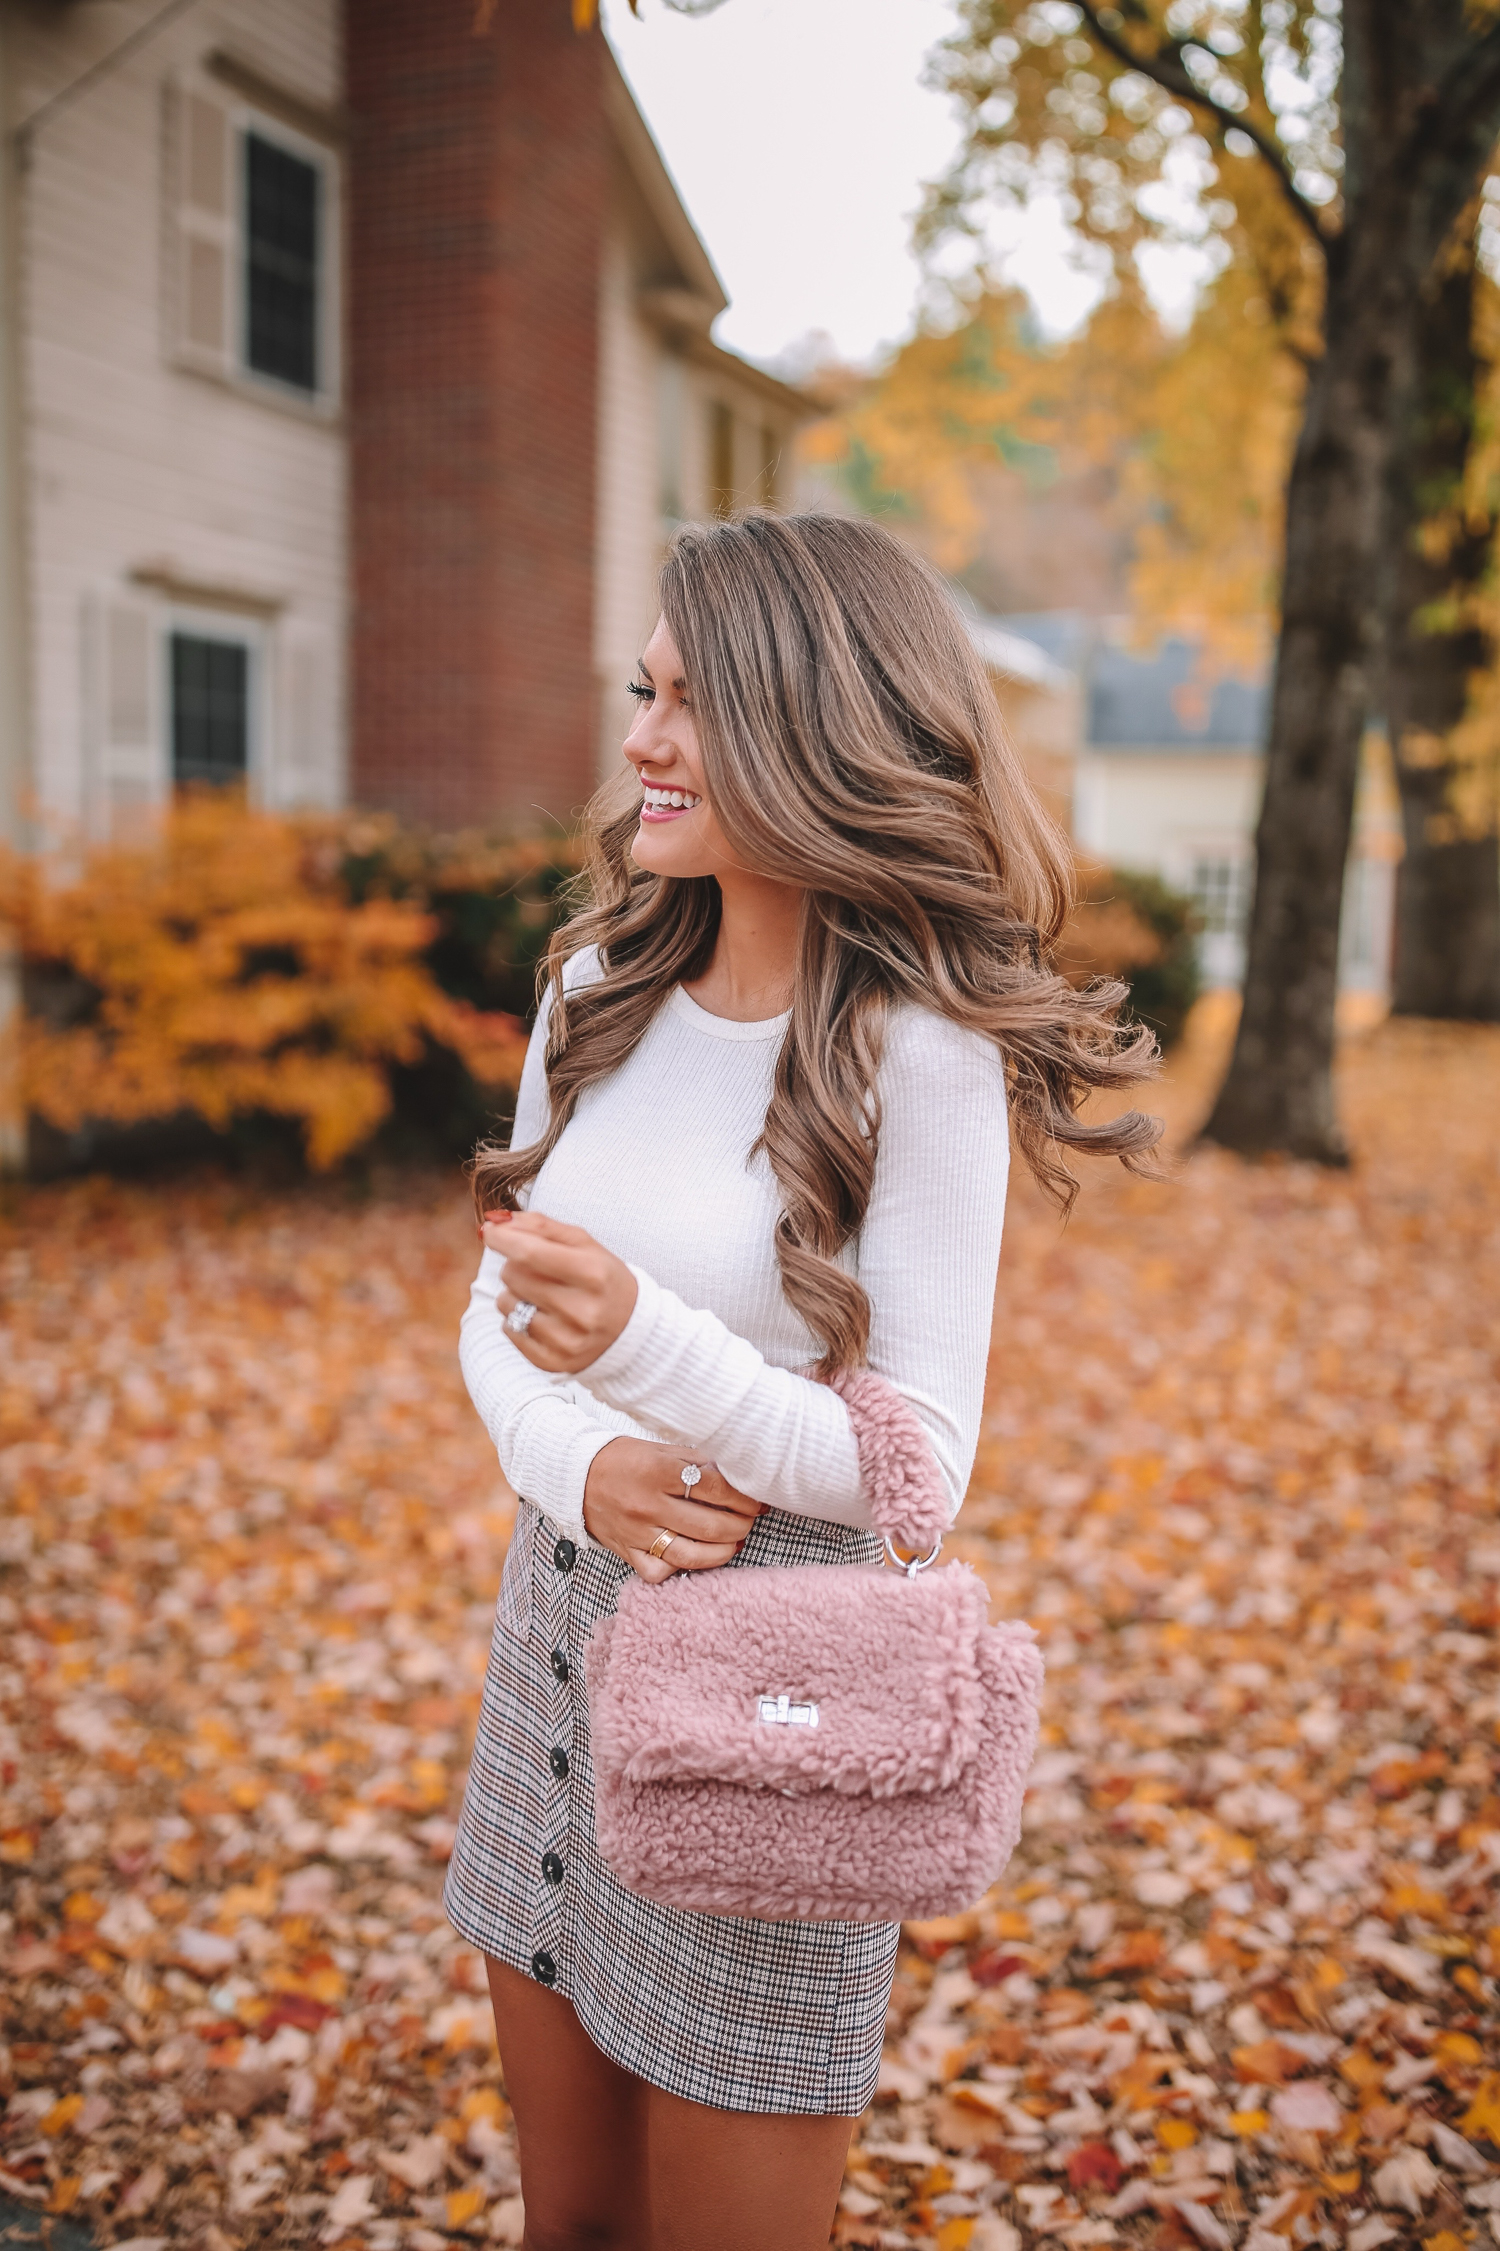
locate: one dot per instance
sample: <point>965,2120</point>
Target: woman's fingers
<point>713,1490</point>
<point>541,1341</point>
<point>529,1278</point>
<point>554,1339</point>
<point>690,1521</point>
<point>646,1519</point>
<point>629,1504</point>
<point>532,1226</point>
<point>551,1321</point>
<point>647,1567</point>
<point>586,1291</point>
<point>682,1555</point>
<point>562,1305</point>
<point>537,1226</point>
<point>699,1555</point>
<point>542,1260</point>
<point>542,1267</point>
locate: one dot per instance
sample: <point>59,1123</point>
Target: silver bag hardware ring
<point>912,1564</point>
<point>520,1317</point>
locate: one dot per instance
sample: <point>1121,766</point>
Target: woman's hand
<point>583,1294</point>
<point>634,1492</point>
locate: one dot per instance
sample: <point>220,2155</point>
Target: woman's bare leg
<point>580,2121</point>
<point>732,2180</point>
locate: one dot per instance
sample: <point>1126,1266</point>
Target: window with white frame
<point>283,230</point>
<point>173,699</point>
<point>254,295</point>
<point>1221,892</point>
<point>209,690</point>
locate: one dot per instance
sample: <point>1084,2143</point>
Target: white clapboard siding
<point>200,307</point>
<point>126,751</point>
<point>305,769</point>
<point>640,406</point>
<point>150,463</point>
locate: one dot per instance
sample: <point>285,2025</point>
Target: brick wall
<point>479,175</point>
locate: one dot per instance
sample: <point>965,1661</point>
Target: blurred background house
<point>356,367</point>
<point>1156,758</point>
<point>1042,704</point>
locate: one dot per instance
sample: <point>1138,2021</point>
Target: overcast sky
<point>800,135</point>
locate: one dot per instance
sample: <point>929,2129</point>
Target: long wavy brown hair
<point>851,744</point>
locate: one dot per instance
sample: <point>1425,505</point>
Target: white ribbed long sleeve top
<point>656,1163</point>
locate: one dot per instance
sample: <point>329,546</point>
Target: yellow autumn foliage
<point>1193,434</point>
<point>221,970</point>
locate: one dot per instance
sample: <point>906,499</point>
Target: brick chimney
<point>478,179</point>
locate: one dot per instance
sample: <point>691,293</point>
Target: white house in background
<point>244,461</point>
<point>355,366</point>
<point>687,429</point>
<point>179,436</point>
<point>1168,778</point>
<point>1041,703</point>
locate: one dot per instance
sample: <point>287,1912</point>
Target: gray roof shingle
<point>1139,699</point>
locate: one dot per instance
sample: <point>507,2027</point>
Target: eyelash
<point>643,694</point>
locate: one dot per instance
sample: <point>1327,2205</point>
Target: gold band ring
<point>660,1544</point>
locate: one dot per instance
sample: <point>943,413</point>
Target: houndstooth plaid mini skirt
<point>742,2015</point>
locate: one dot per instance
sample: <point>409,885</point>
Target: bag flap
<point>821,1677</point>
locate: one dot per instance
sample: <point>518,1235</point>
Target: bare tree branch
<point>1168,69</point>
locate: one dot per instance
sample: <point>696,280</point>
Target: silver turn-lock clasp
<point>780,1711</point>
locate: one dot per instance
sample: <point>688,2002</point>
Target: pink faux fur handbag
<point>824,1741</point>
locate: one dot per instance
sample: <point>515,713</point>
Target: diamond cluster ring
<point>520,1318</point>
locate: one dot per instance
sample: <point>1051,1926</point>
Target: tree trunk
<point>1448,891</point>
<point>1278,1094</point>
<point>1448,913</point>
<point>1420,108</point>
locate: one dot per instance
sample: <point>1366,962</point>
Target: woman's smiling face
<point>679,833</point>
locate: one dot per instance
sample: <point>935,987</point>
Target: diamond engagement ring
<point>520,1318</point>
<point>660,1544</point>
<point>691,1474</point>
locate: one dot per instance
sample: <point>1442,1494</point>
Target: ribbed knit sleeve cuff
<point>564,1459</point>
<point>681,1372</point>
<point>622,1365</point>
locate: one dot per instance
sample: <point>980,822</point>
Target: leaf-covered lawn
<point>1240,1467</point>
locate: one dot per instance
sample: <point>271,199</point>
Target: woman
<point>761,1136</point>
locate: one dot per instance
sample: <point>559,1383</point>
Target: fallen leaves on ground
<point>1240,1467</point>
<point>253,1530</point>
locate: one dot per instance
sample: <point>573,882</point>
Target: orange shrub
<point>221,968</point>
<point>1132,926</point>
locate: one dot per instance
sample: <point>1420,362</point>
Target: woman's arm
<point>928,1255</point>
<point>546,1444</point>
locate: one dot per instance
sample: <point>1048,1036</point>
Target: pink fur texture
<point>907,1500</point>
<point>724,1848</point>
<point>893,1668</point>
<point>903,1802</point>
